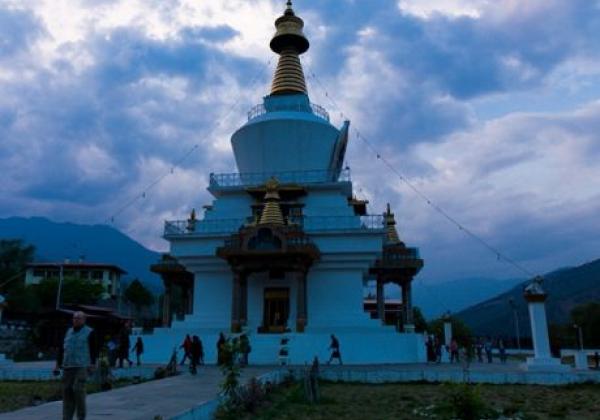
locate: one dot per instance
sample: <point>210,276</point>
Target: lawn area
<point>414,401</point>
<point>21,394</point>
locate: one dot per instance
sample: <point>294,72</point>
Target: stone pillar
<point>409,325</point>
<point>244,301</point>
<point>380,301</point>
<point>236,299</point>
<point>542,358</point>
<point>301,315</point>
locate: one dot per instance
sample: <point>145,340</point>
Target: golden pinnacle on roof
<point>271,214</point>
<point>289,42</point>
<point>390,227</point>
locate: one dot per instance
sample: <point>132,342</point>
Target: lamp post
<point>513,305</point>
<point>60,283</point>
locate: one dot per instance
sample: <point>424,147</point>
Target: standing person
<point>201,352</point>
<point>438,350</point>
<point>430,349</point>
<point>195,351</point>
<point>502,350</point>
<point>335,350</point>
<point>454,351</point>
<point>488,349</point>
<point>124,344</point>
<point>76,358</point>
<point>139,349</point>
<point>220,343</point>
<point>479,349</point>
<point>187,349</point>
<point>245,348</point>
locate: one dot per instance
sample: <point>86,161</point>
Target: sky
<point>489,108</point>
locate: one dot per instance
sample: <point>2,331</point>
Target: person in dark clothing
<point>196,349</point>
<point>220,343</point>
<point>437,344</point>
<point>76,357</point>
<point>187,349</point>
<point>244,349</point>
<point>124,347</point>
<point>139,349</point>
<point>335,350</point>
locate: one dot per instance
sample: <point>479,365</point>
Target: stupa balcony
<point>219,182</point>
<point>309,224</point>
<point>260,109</point>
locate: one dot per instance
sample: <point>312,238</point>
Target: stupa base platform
<point>358,346</point>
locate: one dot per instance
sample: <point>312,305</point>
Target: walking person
<point>334,346</point>
<point>245,349</point>
<point>187,349</point>
<point>454,351</point>
<point>123,351</point>
<point>502,350</point>
<point>195,351</point>
<point>488,349</point>
<point>77,358</point>
<point>139,349</point>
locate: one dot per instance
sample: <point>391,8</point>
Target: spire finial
<point>289,42</point>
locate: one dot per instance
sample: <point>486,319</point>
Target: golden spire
<point>289,42</point>
<point>390,227</point>
<point>271,214</point>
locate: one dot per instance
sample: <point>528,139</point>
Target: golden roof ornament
<point>289,42</point>
<point>271,214</point>
<point>390,227</point>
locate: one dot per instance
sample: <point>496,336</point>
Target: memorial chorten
<point>285,248</point>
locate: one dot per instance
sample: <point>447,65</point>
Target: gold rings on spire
<point>271,214</point>
<point>289,42</point>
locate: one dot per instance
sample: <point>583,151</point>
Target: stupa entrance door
<point>276,309</point>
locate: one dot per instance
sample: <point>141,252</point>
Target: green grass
<point>414,401</point>
<point>20,394</point>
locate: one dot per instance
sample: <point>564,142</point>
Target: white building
<point>108,275</point>
<point>285,249</point>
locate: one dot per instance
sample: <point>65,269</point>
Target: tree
<point>138,295</point>
<point>35,298</point>
<point>587,316</point>
<point>460,331</point>
<point>419,320</point>
<point>14,257</point>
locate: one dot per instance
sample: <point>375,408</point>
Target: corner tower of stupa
<point>287,133</point>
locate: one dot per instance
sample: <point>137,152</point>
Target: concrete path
<point>167,397</point>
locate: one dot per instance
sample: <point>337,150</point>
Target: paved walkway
<point>166,398</point>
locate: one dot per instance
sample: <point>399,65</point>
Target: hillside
<point>566,288</point>
<point>97,243</point>
<point>456,295</point>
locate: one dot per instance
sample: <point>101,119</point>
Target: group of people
<point>241,344</point>
<point>194,351</point>
<point>118,348</point>
<point>469,350</point>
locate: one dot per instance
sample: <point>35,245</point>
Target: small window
<point>38,273</point>
<point>97,275</point>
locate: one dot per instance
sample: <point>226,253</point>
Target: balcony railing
<point>308,223</point>
<point>258,110</point>
<point>251,179</point>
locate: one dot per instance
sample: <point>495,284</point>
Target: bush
<point>465,402</point>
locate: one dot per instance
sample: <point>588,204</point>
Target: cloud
<point>99,99</point>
